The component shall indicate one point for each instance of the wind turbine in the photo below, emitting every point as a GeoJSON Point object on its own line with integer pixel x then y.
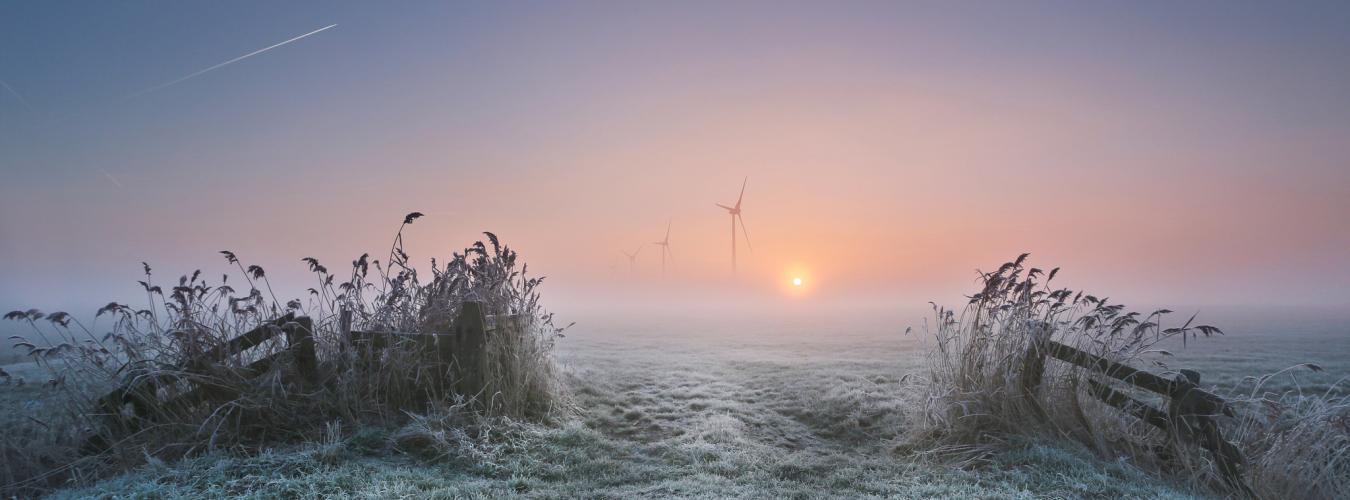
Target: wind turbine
{"type": "Point", "coordinates": [736, 216]}
{"type": "Point", "coordinates": [665, 249]}
{"type": "Point", "coordinates": [632, 258]}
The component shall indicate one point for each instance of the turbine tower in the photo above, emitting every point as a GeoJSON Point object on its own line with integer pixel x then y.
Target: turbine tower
{"type": "Point", "coordinates": [665, 250]}
{"type": "Point", "coordinates": [632, 259]}
{"type": "Point", "coordinates": [735, 212]}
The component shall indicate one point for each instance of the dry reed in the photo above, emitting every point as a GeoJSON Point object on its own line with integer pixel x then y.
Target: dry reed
{"type": "Point", "coordinates": [1295, 444]}
{"type": "Point", "coordinates": [160, 347]}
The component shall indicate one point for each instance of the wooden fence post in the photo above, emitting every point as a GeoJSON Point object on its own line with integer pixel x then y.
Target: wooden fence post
{"type": "Point", "coordinates": [344, 326]}
{"type": "Point", "coordinates": [1189, 417]}
{"type": "Point", "coordinates": [469, 351]}
{"type": "Point", "coordinates": [1033, 365]}
{"type": "Point", "coordinates": [1192, 418]}
{"type": "Point", "coordinates": [300, 337]}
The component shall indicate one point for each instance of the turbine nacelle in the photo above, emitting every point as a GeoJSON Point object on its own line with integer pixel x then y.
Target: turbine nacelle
{"type": "Point", "coordinates": [735, 212]}
{"type": "Point", "coordinates": [665, 249]}
{"type": "Point", "coordinates": [666, 241]}
{"type": "Point", "coordinates": [632, 257]}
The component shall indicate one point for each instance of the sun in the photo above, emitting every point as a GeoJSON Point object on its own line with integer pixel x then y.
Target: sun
{"type": "Point", "coordinates": [797, 280]}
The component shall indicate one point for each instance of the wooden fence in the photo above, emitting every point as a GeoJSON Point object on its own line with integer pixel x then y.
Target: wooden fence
{"type": "Point", "coordinates": [155, 394]}
{"type": "Point", "coordinates": [1189, 416]}
{"type": "Point", "coordinates": [460, 352]}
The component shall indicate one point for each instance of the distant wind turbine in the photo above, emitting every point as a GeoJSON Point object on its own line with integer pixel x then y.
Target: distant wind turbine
{"type": "Point", "coordinates": [735, 212]}
{"type": "Point", "coordinates": [632, 259]}
{"type": "Point", "coordinates": [665, 249]}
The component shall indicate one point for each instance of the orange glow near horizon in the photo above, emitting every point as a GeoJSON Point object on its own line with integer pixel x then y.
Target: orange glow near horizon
{"type": "Point", "coordinates": [795, 281]}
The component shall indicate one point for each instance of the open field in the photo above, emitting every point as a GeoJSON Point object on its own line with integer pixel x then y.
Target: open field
{"type": "Point", "coordinates": [261, 250]}
{"type": "Point", "coordinates": [795, 407]}
{"type": "Point", "coordinates": [1259, 341]}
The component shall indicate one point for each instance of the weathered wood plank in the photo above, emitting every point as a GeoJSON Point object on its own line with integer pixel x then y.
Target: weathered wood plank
{"type": "Point", "coordinates": [506, 322]}
{"type": "Point", "coordinates": [300, 340]}
{"type": "Point", "coordinates": [458, 354]}
{"type": "Point", "coordinates": [1138, 378]}
{"type": "Point", "coordinates": [202, 393]}
{"type": "Point", "coordinates": [469, 350]}
{"type": "Point", "coordinates": [1190, 410]}
{"type": "Point", "coordinates": [1210, 403]}
{"type": "Point", "coordinates": [1227, 456]}
{"type": "Point", "coordinates": [1127, 404]}
{"type": "Point", "coordinates": [1033, 367]}
{"type": "Point", "coordinates": [143, 392]}
{"type": "Point", "coordinates": [344, 329]}
{"type": "Point", "coordinates": [247, 341]}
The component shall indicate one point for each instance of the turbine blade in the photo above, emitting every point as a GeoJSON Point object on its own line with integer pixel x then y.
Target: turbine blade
{"type": "Point", "coordinates": [724, 206]}
{"type": "Point", "coordinates": [746, 232]}
{"type": "Point", "coordinates": [667, 230]}
{"type": "Point", "coordinates": [738, 198]}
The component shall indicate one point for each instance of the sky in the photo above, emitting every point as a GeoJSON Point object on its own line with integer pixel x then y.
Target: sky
{"type": "Point", "coordinates": [1158, 152]}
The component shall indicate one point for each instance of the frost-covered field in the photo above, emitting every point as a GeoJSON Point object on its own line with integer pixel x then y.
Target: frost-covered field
{"type": "Point", "coordinates": [763, 407]}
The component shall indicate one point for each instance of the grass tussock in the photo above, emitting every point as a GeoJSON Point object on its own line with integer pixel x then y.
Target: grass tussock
{"type": "Point", "coordinates": [239, 404]}
{"type": "Point", "coordinates": [1297, 445]}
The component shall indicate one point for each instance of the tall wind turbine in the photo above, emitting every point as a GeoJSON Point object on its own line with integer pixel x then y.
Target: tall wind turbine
{"type": "Point", "coordinates": [735, 212]}
{"type": "Point", "coordinates": [665, 249]}
{"type": "Point", "coordinates": [632, 258]}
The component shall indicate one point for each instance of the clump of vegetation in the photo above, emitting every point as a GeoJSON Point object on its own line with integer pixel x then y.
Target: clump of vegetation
{"type": "Point", "coordinates": [1296, 445]}
{"type": "Point", "coordinates": [244, 401]}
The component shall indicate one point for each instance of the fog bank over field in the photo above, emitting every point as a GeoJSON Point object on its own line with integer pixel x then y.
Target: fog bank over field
{"type": "Point", "coordinates": [644, 304]}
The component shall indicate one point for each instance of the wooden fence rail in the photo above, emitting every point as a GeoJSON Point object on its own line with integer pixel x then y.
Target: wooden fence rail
{"type": "Point", "coordinates": [1189, 415]}
{"type": "Point", "coordinates": [161, 392]}
{"type": "Point", "coordinates": [458, 348]}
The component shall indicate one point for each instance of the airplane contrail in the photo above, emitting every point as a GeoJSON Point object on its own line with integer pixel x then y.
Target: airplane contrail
{"type": "Point", "coordinates": [110, 177]}
{"type": "Point", "coordinates": [16, 96]}
{"type": "Point", "coordinates": [226, 63]}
